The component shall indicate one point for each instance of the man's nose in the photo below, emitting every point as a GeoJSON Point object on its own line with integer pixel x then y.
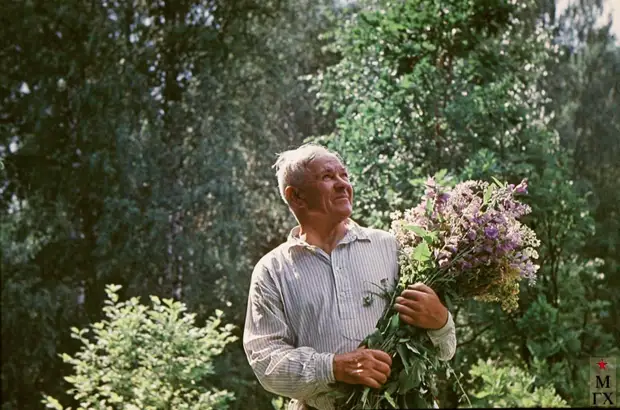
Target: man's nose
{"type": "Point", "coordinates": [342, 183]}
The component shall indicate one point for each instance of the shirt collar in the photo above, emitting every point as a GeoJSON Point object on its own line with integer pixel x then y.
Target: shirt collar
{"type": "Point", "coordinates": [354, 232]}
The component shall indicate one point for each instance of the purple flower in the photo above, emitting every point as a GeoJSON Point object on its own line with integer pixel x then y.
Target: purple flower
{"type": "Point", "coordinates": [491, 232]}
{"type": "Point", "coordinates": [522, 187]}
{"type": "Point", "coordinates": [505, 247]}
{"type": "Point", "coordinates": [484, 238]}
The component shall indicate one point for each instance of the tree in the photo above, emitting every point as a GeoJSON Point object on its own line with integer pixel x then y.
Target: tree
{"type": "Point", "coordinates": [584, 96]}
{"type": "Point", "coordinates": [422, 86]}
{"type": "Point", "coordinates": [137, 141]}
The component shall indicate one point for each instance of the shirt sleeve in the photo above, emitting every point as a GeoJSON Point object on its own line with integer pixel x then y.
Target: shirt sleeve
{"type": "Point", "coordinates": [268, 342]}
{"type": "Point", "coordinates": [445, 339]}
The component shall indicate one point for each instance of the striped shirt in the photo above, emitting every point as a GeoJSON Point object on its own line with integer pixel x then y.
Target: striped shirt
{"type": "Point", "coordinates": [304, 306]}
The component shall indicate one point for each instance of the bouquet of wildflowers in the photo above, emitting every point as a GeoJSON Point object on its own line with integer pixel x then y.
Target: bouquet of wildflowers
{"type": "Point", "coordinates": [464, 242]}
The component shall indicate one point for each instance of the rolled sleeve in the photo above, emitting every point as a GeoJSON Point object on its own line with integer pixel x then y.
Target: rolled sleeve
{"type": "Point", "coordinates": [325, 368]}
{"type": "Point", "coordinates": [445, 339]}
{"type": "Point", "coordinates": [269, 344]}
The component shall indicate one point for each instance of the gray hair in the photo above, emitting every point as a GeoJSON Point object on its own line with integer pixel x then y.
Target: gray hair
{"type": "Point", "coordinates": [292, 165]}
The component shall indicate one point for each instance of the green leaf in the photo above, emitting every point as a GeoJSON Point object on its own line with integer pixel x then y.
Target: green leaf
{"type": "Point", "coordinates": [487, 193]}
{"type": "Point", "coordinates": [418, 230]}
{"type": "Point", "coordinates": [405, 382]}
{"type": "Point", "coordinates": [390, 400]}
{"type": "Point", "coordinates": [418, 368]}
{"type": "Point", "coordinates": [394, 322]}
{"type": "Point", "coordinates": [403, 356]}
{"type": "Point", "coordinates": [428, 237]}
{"type": "Point", "coordinates": [365, 395]}
{"type": "Point", "coordinates": [499, 184]}
{"type": "Point", "coordinates": [421, 253]}
{"type": "Point", "coordinates": [439, 175]}
{"type": "Point", "coordinates": [391, 387]}
{"type": "Point", "coordinates": [413, 349]}
{"type": "Point", "coordinates": [429, 207]}
{"type": "Point", "coordinates": [374, 340]}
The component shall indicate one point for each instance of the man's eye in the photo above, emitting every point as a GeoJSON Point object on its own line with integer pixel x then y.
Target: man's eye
{"type": "Point", "coordinates": [327, 176]}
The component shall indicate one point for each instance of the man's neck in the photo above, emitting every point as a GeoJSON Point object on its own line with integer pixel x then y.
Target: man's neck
{"type": "Point", "coordinates": [324, 237]}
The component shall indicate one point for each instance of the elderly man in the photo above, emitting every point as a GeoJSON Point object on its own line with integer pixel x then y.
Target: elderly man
{"type": "Point", "coordinates": [307, 311]}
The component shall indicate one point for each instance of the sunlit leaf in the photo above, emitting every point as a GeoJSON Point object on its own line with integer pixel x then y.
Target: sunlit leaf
{"type": "Point", "coordinates": [421, 252]}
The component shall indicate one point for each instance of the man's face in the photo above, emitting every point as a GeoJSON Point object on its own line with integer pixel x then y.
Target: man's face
{"type": "Point", "coordinates": [327, 191]}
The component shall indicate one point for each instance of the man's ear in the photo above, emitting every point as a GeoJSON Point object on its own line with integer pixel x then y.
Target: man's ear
{"type": "Point", "coordinates": [293, 197]}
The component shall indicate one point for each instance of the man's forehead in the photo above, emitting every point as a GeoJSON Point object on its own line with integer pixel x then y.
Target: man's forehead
{"type": "Point", "coordinates": [325, 163]}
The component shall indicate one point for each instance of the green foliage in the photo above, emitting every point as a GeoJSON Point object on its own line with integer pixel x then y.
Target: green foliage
{"type": "Point", "coordinates": [422, 86]}
{"type": "Point", "coordinates": [586, 99]}
{"type": "Point", "coordinates": [136, 141]}
{"type": "Point", "coordinates": [279, 403]}
{"type": "Point", "coordinates": [147, 358]}
{"type": "Point", "coordinates": [509, 386]}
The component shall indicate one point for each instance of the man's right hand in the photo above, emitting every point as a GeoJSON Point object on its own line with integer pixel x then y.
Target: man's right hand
{"type": "Point", "coordinates": [363, 366]}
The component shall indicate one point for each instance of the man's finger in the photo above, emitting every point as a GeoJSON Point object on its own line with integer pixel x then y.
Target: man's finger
{"type": "Point", "coordinates": [379, 377]}
{"type": "Point", "coordinates": [406, 310]}
{"type": "Point", "coordinates": [383, 368]}
{"type": "Point", "coordinates": [413, 294]}
{"type": "Point", "coordinates": [407, 315]}
{"type": "Point", "coordinates": [382, 356]}
{"type": "Point", "coordinates": [420, 287]}
{"type": "Point", "coordinates": [411, 304]}
{"type": "Point", "coordinates": [373, 374]}
{"type": "Point", "coordinates": [370, 382]}
{"type": "Point", "coordinates": [410, 320]}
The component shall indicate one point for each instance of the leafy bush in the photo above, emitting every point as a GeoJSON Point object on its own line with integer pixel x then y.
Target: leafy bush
{"type": "Point", "coordinates": [145, 358]}
{"type": "Point", "coordinates": [508, 386]}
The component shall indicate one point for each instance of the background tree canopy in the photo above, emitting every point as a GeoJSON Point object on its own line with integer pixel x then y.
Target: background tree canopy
{"type": "Point", "coordinates": [137, 139]}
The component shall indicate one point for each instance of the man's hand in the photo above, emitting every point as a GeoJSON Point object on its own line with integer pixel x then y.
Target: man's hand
{"type": "Point", "coordinates": [420, 306]}
{"type": "Point", "coordinates": [363, 366]}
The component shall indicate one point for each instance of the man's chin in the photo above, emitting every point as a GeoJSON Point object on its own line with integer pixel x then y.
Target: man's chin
{"type": "Point", "coordinates": [335, 216]}
{"type": "Point", "coordinates": [344, 215]}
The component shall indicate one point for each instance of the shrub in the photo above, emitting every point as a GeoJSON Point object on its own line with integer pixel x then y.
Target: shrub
{"type": "Point", "coordinates": [146, 358]}
{"type": "Point", "coordinates": [509, 386]}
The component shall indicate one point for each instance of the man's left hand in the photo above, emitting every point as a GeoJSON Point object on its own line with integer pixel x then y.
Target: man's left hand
{"type": "Point", "coordinates": [420, 306]}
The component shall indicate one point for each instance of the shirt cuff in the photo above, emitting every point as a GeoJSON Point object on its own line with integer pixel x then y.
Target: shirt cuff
{"type": "Point", "coordinates": [438, 334]}
{"type": "Point", "coordinates": [325, 368]}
